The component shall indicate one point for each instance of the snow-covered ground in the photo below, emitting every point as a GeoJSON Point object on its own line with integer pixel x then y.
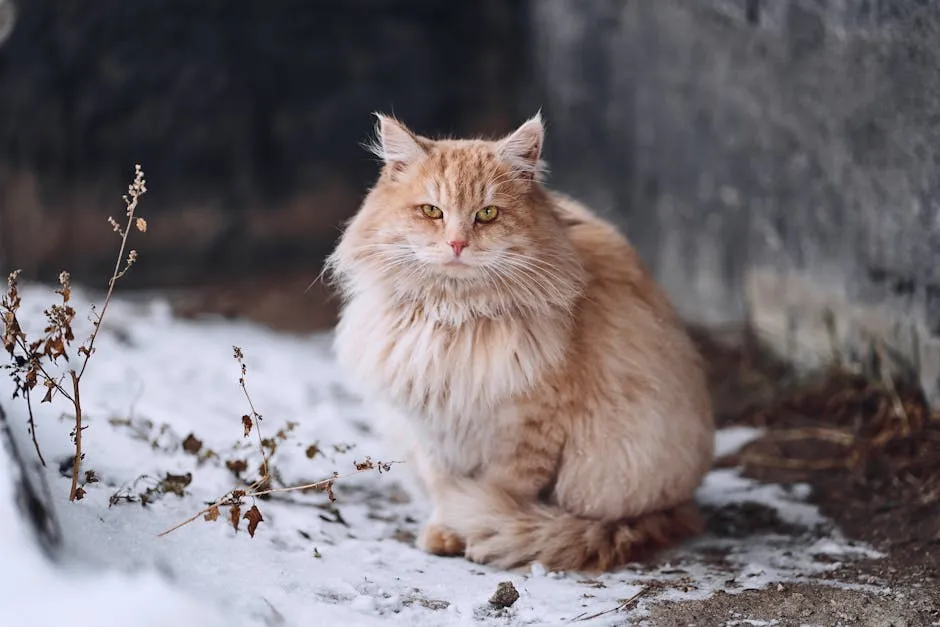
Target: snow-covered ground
{"type": "Point", "coordinates": [156, 380]}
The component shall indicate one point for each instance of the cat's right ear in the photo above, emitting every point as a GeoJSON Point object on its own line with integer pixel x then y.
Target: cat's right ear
{"type": "Point", "coordinates": [395, 144]}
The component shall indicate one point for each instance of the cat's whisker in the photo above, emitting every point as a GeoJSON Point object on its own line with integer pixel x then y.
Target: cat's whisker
{"type": "Point", "coordinates": [498, 284]}
{"type": "Point", "coordinates": [536, 270]}
{"type": "Point", "coordinates": [524, 280]}
{"type": "Point", "coordinates": [543, 263]}
{"type": "Point", "coordinates": [533, 268]}
{"type": "Point", "coordinates": [543, 266]}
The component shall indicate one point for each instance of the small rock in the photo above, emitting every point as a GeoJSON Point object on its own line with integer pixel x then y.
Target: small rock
{"type": "Point", "coordinates": [505, 595]}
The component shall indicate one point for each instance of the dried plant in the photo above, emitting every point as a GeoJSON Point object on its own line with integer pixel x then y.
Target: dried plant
{"type": "Point", "coordinates": [32, 360]}
{"type": "Point", "coordinates": [35, 362]}
{"type": "Point", "coordinates": [235, 499]}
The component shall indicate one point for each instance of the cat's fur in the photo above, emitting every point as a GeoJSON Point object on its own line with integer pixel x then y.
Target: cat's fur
{"type": "Point", "coordinates": [544, 390]}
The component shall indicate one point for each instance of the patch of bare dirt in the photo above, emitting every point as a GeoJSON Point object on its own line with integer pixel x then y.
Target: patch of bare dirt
{"type": "Point", "coordinates": [868, 446]}
{"type": "Point", "coordinates": [799, 604]}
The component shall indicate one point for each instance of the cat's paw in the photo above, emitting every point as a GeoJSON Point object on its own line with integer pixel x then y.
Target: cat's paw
{"type": "Point", "coordinates": [479, 552]}
{"type": "Point", "coordinates": [440, 540]}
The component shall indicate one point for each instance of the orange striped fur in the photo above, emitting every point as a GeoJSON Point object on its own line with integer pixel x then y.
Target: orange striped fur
{"type": "Point", "coordinates": [534, 375]}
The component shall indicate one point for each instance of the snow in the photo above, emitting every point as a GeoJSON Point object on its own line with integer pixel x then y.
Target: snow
{"type": "Point", "coordinates": [155, 380]}
{"type": "Point", "coordinates": [36, 592]}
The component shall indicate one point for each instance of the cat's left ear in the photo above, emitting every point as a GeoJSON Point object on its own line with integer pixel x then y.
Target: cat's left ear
{"type": "Point", "coordinates": [523, 148]}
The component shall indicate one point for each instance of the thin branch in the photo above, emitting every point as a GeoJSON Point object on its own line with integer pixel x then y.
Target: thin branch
{"type": "Point", "coordinates": [32, 427]}
{"type": "Point", "coordinates": [323, 484]}
{"type": "Point", "coordinates": [836, 436]}
{"type": "Point", "coordinates": [43, 371]}
{"type": "Point", "coordinates": [797, 464]}
{"type": "Point", "coordinates": [623, 606]}
{"type": "Point", "coordinates": [132, 205]}
{"type": "Point", "coordinates": [77, 462]}
{"type": "Point", "coordinates": [256, 417]}
{"type": "Point", "coordinates": [318, 485]}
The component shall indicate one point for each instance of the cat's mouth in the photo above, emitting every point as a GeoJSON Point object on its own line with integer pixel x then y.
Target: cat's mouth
{"type": "Point", "coordinates": [457, 267]}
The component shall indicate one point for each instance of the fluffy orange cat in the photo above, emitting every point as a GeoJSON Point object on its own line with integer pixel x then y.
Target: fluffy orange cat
{"type": "Point", "coordinates": [537, 379]}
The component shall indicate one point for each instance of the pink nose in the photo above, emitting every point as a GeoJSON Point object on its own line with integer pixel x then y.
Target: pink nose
{"type": "Point", "coordinates": [458, 246]}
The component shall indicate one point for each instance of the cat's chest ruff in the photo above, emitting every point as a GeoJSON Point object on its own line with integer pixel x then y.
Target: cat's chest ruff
{"type": "Point", "coordinates": [439, 370]}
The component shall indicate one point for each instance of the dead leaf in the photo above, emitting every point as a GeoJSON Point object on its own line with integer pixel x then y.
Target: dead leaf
{"type": "Point", "coordinates": [312, 451]}
{"type": "Point", "coordinates": [32, 377]}
{"type": "Point", "coordinates": [50, 386]}
{"type": "Point", "coordinates": [328, 487]}
{"type": "Point", "coordinates": [253, 516]}
{"type": "Point", "coordinates": [269, 444]}
{"type": "Point", "coordinates": [282, 433]}
{"type": "Point", "coordinates": [192, 444]}
{"type": "Point", "coordinates": [213, 514]}
{"type": "Point", "coordinates": [246, 423]}
{"type": "Point", "coordinates": [55, 347]}
{"type": "Point", "coordinates": [175, 484]}
{"type": "Point", "coordinates": [141, 225]}
{"type": "Point", "coordinates": [234, 515]}
{"type": "Point", "coordinates": [237, 466]}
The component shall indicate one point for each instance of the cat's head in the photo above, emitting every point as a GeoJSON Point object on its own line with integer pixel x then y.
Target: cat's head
{"type": "Point", "coordinates": [463, 218]}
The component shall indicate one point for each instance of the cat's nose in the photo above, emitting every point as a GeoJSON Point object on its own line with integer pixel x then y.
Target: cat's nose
{"type": "Point", "coordinates": [458, 245]}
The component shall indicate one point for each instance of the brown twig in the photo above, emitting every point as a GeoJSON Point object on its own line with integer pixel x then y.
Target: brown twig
{"type": "Point", "coordinates": [77, 462]}
{"type": "Point", "coordinates": [137, 189]}
{"type": "Point", "coordinates": [32, 427]}
{"type": "Point", "coordinates": [255, 416]}
{"type": "Point", "coordinates": [323, 484]}
{"type": "Point", "coordinates": [42, 370]}
{"type": "Point", "coordinates": [796, 464]}
{"type": "Point", "coordinates": [837, 436]}
{"type": "Point", "coordinates": [624, 605]}
{"type": "Point", "coordinates": [888, 383]}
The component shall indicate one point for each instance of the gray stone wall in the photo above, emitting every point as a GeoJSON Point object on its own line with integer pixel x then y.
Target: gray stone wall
{"type": "Point", "coordinates": [774, 160]}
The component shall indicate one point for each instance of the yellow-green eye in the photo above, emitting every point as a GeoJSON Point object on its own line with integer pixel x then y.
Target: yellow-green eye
{"type": "Point", "coordinates": [487, 214]}
{"type": "Point", "coordinates": [432, 212]}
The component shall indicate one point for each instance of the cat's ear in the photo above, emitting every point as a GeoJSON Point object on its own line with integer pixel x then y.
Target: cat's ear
{"type": "Point", "coordinates": [522, 149]}
{"type": "Point", "coordinates": [395, 144]}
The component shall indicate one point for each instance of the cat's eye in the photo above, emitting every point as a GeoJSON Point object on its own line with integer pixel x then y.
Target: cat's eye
{"type": "Point", "coordinates": [432, 212]}
{"type": "Point", "coordinates": [487, 214]}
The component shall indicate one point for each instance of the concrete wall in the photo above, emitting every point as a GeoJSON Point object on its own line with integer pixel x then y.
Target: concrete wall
{"type": "Point", "coordinates": [774, 160]}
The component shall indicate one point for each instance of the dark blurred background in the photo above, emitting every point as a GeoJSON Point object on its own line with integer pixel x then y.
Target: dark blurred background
{"type": "Point", "coordinates": [246, 116]}
{"type": "Point", "coordinates": [773, 160]}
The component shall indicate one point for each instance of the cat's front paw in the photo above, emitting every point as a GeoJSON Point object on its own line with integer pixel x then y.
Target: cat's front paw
{"type": "Point", "coordinates": [440, 540]}
{"type": "Point", "coordinates": [479, 551]}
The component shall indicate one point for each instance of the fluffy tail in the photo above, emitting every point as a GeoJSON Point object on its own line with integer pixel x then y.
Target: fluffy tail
{"type": "Point", "coordinates": [505, 533]}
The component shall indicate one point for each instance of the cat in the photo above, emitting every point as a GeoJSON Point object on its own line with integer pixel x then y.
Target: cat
{"type": "Point", "coordinates": [538, 381]}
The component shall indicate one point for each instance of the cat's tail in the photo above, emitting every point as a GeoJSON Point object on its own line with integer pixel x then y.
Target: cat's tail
{"type": "Point", "coordinates": [506, 533]}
